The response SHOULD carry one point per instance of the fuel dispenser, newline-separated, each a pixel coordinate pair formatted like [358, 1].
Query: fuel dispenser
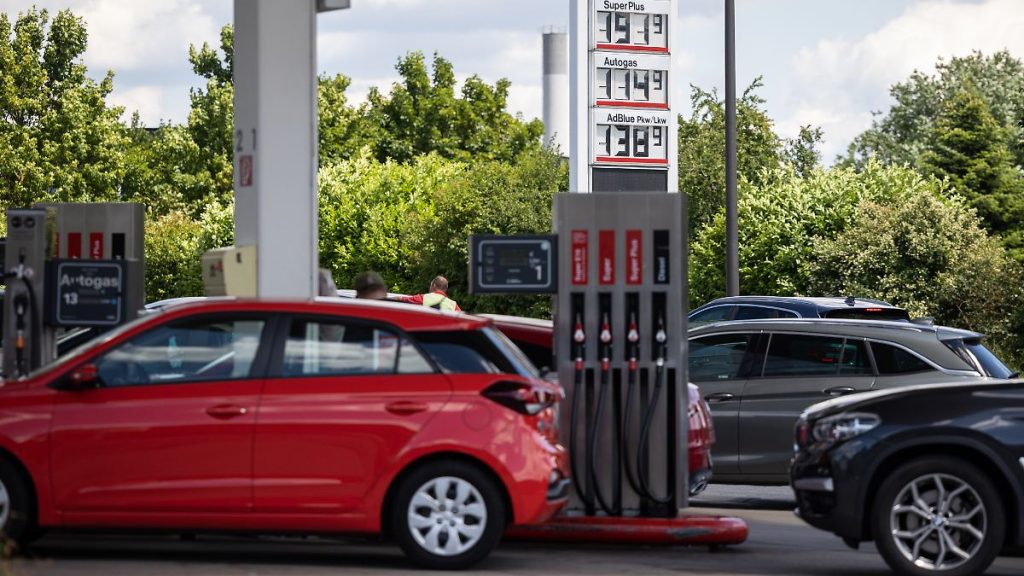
[68, 265]
[620, 342]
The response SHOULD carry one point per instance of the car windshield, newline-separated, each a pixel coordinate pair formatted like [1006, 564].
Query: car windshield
[976, 354]
[522, 363]
[77, 352]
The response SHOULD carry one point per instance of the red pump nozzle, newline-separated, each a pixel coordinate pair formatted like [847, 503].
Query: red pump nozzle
[606, 339]
[579, 337]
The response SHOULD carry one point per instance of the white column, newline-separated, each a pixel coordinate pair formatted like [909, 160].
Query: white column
[275, 143]
[579, 95]
[556, 90]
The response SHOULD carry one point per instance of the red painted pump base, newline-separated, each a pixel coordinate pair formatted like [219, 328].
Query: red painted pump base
[684, 530]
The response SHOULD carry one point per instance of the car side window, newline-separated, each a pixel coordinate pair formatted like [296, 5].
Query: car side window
[803, 355]
[718, 357]
[340, 348]
[854, 359]
[189, 350]
[761, 312]
[894, 360]
[713, 314]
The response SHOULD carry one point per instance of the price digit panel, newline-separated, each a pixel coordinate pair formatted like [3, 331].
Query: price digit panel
[636, 26]
[637, 87]
[630, 139]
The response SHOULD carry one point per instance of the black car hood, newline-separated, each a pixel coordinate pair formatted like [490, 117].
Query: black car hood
[846, 403]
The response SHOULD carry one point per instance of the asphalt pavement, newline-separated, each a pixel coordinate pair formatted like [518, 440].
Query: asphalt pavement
[779, 543]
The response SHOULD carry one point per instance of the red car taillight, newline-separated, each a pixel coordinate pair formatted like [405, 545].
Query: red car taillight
[525, 398]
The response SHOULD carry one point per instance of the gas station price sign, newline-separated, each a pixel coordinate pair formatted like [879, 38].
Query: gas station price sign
[636, 80]
[513, 264]
[636, 25]
[631, 138]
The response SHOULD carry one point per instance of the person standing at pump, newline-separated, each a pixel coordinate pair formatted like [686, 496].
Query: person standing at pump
[369, 285]
[437, 298]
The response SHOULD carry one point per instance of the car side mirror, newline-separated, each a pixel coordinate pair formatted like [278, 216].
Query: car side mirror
[84, 377]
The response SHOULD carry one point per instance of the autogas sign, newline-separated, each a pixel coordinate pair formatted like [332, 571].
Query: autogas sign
[637, 80]
[631, 137]
[636, 25]
[86, 293]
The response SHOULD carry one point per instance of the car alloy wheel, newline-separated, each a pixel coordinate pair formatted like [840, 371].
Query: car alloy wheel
[938, 522]
[447, 516]
[938, 515]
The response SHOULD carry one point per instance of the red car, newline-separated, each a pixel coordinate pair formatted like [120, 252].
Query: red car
[318, 416]
[534, 337]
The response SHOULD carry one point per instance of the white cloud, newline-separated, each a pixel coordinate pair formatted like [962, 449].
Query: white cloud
[148, 101]
[144, 35]
[839, 81]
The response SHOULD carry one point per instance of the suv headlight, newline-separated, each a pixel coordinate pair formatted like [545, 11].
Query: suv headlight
[842, 427]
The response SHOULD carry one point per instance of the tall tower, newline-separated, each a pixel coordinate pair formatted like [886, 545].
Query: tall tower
[556, 90]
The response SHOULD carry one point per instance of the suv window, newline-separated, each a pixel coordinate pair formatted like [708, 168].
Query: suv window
[713, 314]
[976, 354]
[189, 350]
[854, 360]
[718, 357]
[894, 360]
[803, 355]
[335, 348]
[747, 312]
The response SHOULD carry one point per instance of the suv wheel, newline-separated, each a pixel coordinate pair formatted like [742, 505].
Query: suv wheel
[447, 515]
[938, 515]
[17, 521]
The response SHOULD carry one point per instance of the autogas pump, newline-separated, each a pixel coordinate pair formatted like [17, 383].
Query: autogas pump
[26, 343]
[623, 271]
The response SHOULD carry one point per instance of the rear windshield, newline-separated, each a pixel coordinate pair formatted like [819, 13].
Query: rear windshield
[868, 314]
[976, 354]
[484, 351]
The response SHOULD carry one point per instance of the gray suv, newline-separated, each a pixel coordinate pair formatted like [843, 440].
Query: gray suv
[759, 375]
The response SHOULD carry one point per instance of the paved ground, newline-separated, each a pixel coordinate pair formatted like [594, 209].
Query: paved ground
[779, 544]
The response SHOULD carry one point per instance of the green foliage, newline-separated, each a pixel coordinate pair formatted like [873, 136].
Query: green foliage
[902, 134]
[175, 242]
[422, 115]
[929, 255]
[758, 150]
[412, 221]
[780, 223]
[59, 141]
[969, 147]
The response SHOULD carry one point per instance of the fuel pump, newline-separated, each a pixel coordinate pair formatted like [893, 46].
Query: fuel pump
[623, 275]
[27, 345]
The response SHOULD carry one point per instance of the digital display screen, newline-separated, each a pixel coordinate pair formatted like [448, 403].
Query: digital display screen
[631, 86]
[625, 30]
[631, 143]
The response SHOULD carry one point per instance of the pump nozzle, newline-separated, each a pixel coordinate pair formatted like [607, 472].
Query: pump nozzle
[633, 337]
[606, 339]
[580, 338]
[661, 337]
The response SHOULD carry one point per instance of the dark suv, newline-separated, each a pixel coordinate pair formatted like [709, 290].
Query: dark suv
[760, 307]
[759, 375]
[933, 474]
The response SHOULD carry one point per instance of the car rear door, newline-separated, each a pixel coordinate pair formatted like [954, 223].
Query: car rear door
[799, 370]
[718, 364]
[343, 399]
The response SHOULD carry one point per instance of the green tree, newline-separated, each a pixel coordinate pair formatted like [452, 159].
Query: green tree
[781, 221]
[969, 147]
[759, 150]
[930, 255]
[59, 140]
[904, 132]
[422, 114]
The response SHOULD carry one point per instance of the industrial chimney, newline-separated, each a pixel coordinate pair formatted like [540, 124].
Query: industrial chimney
[556, 90]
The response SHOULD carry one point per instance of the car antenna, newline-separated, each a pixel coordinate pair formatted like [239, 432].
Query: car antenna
[850, 300]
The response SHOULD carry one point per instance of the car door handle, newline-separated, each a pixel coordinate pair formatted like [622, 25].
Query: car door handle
[404, 408]
[227, 411]
[719, 397]
[839, 390]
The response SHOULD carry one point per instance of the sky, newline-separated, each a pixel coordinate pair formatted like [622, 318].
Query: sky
[826, 63]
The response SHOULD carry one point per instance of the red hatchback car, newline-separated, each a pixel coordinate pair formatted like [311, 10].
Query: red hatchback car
[317, 416]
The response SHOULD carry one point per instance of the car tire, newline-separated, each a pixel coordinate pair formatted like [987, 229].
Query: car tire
[938, 515]
[17, 511]
[447, 515]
